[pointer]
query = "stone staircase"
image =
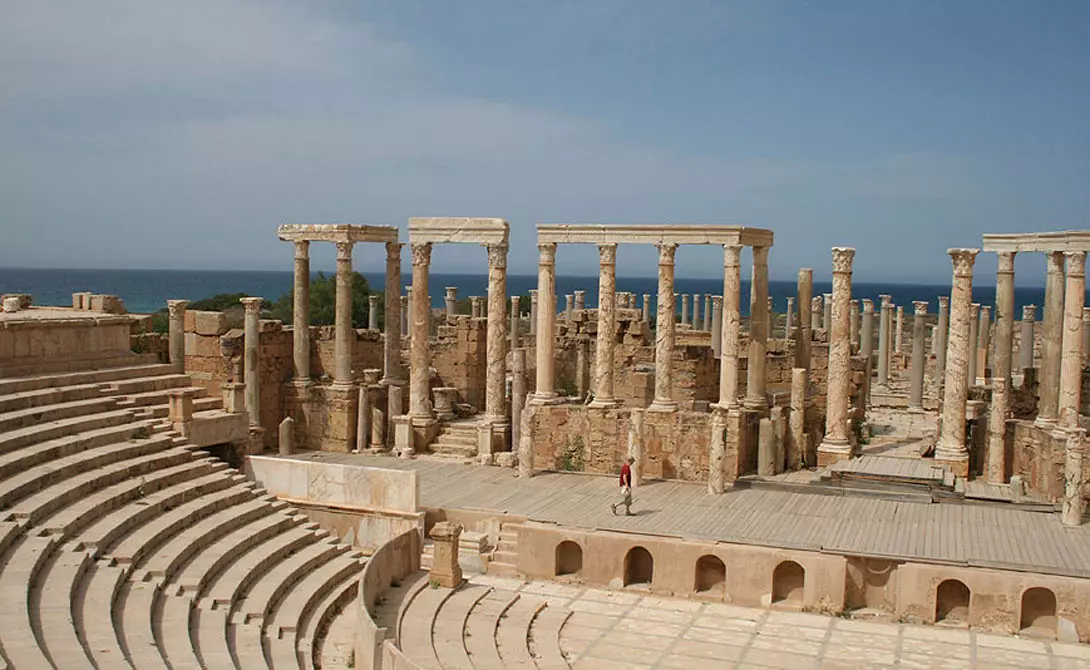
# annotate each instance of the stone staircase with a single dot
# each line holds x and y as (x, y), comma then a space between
(504, 561)
(457, 439)
(122, 545)
(479, 626)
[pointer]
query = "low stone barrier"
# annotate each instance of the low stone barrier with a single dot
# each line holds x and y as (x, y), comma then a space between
(392, 562)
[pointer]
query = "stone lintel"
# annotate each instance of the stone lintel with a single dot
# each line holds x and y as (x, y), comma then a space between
(1064, 240)
(457, 230)
(335, 232)
(590, 233)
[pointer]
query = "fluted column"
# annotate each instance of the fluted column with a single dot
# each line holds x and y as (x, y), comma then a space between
(176, 333)
(546, 316)
(942, 332)
(732, 305)
(836, 446)
(1004, 316)
(1025, 348)
(915, 391)
(372, 312)
(496, 334)
(420, 407)
(805, 289)
(664, 335)
(344, 337)
(717, 326)
(300, 315)
(758, 333)
(1071, 359)
(950, 449)
(974, 340)
(603, 358)
(884, 323)
(983, 341)
(1048, 402)
(250, 359)
(391, 344)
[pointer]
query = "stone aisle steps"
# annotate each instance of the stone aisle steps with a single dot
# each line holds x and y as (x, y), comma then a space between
(513, 631)
(450, 624)
(545, 638)
(480, 630)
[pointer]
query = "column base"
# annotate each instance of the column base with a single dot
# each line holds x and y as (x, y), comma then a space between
(833, 451)
(1045, 423)
(756, 404)
(603, 403)
(662, 406)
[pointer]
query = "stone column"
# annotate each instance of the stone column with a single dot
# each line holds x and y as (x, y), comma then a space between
(475, 306)
(717, 451)
(363, 419)
(569, 305)
(496, 334)
(803, 343)
(942, 332)
(717, 326)
(899, 330)
(546, 315)
(1085, 336)
(697, 320)
(1071, 359)
(534, 309)
(732, 306)
(758, 335)
(344, 337)
(836, 446)
(1025, 350)
(176, 309)
(684, 308)
(768, 318)
(664, 335)
(300, 316)
(983, 340)
(827, 311)
(251, 372)
(789, 321)
(853, 330)
(518, 395)
(915, 392)
(516, 315)
(796, 455)
(405, 311)
(450, 300)
(708, 312)
(996, 452)
(1074, 478)
(391, 344)
(603, 358)
(580, 300)
(286, 435)
(866, 330)
(974, 340)
(1048, 402)
(372, 312)
(950, 449)
(816, 312)
(883, 341)
(646, 316)
(1004, 318)
(420, 407)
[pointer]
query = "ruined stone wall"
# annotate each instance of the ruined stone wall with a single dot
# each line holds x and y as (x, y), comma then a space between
(459, 354)
(1038, 458)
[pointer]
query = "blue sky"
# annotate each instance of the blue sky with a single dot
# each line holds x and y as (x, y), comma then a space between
(178, 135)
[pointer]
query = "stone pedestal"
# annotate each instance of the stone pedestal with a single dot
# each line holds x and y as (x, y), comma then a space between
(286, 437)
(445, 570)
(403, 436)
(176, 310)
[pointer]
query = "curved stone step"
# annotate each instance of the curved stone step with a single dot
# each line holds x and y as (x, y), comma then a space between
(179, 645)
(418, 625)
(33, 416)
(225, 590)
(57, 586)
(339, 603)
(270, 588)
(210, 638)
(17, 439)
(335, 645)
(48, 396)
(161, 396)
(248, 645)
(18, 619)
(513, 632)
(448, 634)
(29, 383)
(480, 633)
(545, 638)
(135, 621)
(20, 460)
(148, 384)
(101, 585)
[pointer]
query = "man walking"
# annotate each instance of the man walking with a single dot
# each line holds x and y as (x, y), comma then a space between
(626, 488)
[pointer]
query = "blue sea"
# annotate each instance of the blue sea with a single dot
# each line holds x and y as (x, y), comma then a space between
(146, 291)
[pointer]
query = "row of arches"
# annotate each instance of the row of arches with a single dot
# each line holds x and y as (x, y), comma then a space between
(953, 598)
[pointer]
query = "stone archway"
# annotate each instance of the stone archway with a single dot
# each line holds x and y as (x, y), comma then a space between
(711, 575)
(639, 567)
(788, 584)
(1038, 615)
(569, 558)
(952, 599)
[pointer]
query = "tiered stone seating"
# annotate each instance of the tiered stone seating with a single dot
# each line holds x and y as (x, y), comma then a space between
(478, 627)
(123, 546)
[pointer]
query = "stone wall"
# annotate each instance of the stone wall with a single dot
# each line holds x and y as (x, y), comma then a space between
(459, 354)
(1038, 458)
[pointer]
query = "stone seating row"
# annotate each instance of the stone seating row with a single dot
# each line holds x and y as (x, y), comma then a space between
(123, 546)
(478, 627)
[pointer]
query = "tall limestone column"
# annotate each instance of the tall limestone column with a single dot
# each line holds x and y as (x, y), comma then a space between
(176, 309)
(866, 330)
(372, 312)
(496, 343)
(708, 314)
(853, 331)
(516, 315)
(580, 300)
(836, 446)
(805, 290)
(406, 310)
(915, 391)
(645, 315)
(732, 317)
(664, 334)
(1004, 316)
(343, 336)
(300, 315)
(518, 396)
(1048, 401)
(1085, 336)
(717, 326)
(789, 322)
(827, 311)
(974, 340)
(815, 312)
(420, 407)
(684, 308)
(450, 300)
(995, 456)
(698, 319)
(983, 340)
(1025, 348)
(546, 317)
(534, 309)
(899, 331)
(603, 357)
(942, 332)
(1071, 363)
(251, 371)
(758, 333)
(884, 323)
(950, 449)
(391, 344)
(1074, 477)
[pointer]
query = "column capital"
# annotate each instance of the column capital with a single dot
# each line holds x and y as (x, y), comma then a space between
(546, 253)
(944, 302)
(451, 292)
(868, 306)
(533, 294)
(732, 255)
(842, 259)
(1029, 312)
(963, 260)
(497, 255)
(985, 310)
(760, 255)
(344, 251)
(886, 300)
(252, 305)
(717, 301)
(1054, 261)
(177, 307)
(393, 251)
(421, 253)
(372, 299)
(666, 253)
(790, 299)
(1006, 262)
(974, 310)
(302, 250)
(1085, 314)
(1076, 263)
(815, 303)
(607, 254)
(919, 307)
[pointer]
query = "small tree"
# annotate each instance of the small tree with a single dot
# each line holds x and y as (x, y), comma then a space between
(323, 302)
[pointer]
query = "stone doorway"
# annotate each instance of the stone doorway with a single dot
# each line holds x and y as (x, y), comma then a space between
(711, 576)
(952, 602)
(569, 558)
(788, 584)
(639, 567)
(1038, 613)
